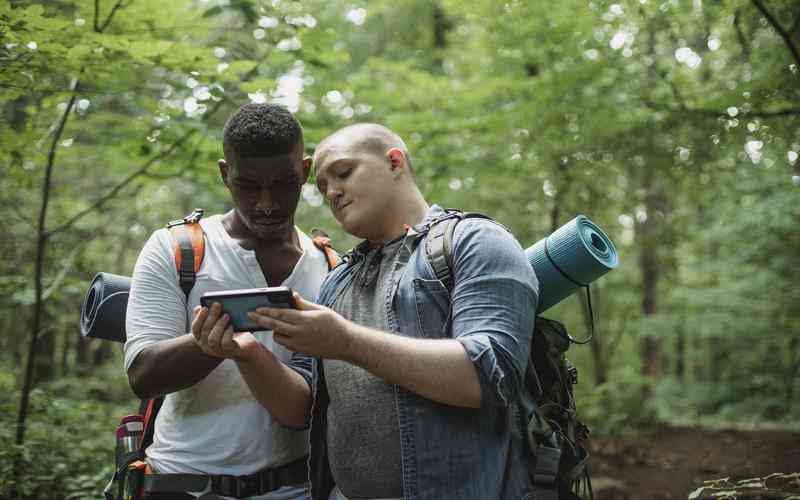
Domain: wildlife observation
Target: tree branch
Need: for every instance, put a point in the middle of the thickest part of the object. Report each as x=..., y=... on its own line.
x=787, y=38
x=184, y=169
x=64, y=270
x=116, y=189
x=142, y=170
x=737, y=24
x=114, y=9
x=721, y=114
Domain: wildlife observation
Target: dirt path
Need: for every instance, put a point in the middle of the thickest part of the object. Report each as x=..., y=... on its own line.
x=670, y=462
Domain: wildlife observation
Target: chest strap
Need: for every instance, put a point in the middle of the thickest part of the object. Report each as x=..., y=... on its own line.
x=259, y=483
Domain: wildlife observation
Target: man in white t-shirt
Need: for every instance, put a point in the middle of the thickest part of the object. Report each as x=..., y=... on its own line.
x=210, y=424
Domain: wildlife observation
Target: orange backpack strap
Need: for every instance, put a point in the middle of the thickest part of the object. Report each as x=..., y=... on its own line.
x=148, y=409
x=323, y=242
x=188, y=245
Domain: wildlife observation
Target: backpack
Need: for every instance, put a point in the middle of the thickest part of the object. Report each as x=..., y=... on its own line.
x=188, y=244
x=546, y=410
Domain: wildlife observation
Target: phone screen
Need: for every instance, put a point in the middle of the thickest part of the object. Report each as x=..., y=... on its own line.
x=237, y=303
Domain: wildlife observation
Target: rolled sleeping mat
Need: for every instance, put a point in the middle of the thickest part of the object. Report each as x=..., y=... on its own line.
x=573, y=256
x=103, y=307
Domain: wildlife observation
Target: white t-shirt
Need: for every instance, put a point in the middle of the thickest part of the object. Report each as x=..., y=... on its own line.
x=215, y=426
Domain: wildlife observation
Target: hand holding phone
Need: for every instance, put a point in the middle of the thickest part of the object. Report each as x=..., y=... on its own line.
x=237, y=303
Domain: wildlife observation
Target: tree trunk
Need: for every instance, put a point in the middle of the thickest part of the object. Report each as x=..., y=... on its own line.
x=441, y=25
x=651, y=348
x=44, y=357
x=680, y=354
x=793, y=373
x=101, y=354
x=649, y=266
x=599, y=360
x=82, y=367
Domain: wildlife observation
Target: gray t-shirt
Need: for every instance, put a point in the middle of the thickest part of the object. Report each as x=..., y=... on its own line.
x=363, y=431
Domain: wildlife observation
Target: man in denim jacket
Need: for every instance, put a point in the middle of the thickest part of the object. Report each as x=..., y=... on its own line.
x=412, y=389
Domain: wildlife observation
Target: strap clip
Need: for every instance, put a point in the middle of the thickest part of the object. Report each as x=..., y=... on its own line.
x=240, y=486
x=192, y=218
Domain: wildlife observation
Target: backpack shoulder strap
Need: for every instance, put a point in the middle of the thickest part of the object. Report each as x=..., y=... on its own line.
x=439, y=244
x=323, y=242
x=188, y=245
x=148, y=409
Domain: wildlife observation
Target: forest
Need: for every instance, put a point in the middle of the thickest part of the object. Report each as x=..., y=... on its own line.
x=672, y=124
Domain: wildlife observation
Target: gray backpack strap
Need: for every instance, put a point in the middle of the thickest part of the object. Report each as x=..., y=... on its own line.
x=439, y=244
x=439, y=249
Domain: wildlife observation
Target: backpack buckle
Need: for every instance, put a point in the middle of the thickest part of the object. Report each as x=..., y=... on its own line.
x=235, y=486
x=573, y=374
x=192, y=218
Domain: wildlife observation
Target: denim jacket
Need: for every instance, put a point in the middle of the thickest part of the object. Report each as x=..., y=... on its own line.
x=448, y=451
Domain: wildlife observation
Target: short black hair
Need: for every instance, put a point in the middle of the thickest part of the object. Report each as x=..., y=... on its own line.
x=257, y=130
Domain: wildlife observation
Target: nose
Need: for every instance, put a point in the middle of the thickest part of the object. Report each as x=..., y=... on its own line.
x=333, y=194
x=266, y=202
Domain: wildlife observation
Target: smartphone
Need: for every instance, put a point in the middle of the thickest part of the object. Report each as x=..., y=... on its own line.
x=237, y=303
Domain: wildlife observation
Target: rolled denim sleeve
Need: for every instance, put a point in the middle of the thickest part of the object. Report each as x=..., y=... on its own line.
x=493, y=305
x=301, y=363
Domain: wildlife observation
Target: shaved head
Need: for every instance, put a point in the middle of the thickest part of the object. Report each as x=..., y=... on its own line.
x=367, y=137
x=364, y=172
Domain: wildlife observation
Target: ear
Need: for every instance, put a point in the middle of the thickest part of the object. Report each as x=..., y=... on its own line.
x=224, y=170
x=397, y=160
x=306, y=168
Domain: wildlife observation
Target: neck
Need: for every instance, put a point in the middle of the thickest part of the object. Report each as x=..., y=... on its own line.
x=408, y=210
x=237, y=230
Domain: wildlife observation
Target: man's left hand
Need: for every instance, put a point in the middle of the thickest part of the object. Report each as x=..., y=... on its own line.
x=312, y=329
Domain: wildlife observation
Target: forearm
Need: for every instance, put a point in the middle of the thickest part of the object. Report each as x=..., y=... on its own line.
x=279, y=389
x=437, y=369
x=169, y=366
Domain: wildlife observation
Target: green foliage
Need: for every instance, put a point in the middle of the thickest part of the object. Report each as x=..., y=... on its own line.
x=673, y=125
x=616, y=407
x=69, y=447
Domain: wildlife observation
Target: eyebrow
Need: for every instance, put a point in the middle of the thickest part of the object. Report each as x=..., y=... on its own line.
x=338, y=162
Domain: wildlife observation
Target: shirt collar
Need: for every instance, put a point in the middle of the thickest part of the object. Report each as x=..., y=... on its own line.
x=412, y=232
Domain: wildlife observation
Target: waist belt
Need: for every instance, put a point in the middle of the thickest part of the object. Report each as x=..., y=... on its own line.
x=261, y=482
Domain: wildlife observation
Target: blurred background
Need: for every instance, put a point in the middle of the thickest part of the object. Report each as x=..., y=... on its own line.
x=673, y=124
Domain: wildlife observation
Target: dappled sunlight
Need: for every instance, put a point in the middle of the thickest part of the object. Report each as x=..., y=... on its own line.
x=674, y=125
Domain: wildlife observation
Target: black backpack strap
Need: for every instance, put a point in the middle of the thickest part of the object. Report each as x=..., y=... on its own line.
x=189, y=248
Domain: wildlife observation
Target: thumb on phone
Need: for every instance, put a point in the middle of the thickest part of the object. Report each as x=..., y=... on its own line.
x=302, y=304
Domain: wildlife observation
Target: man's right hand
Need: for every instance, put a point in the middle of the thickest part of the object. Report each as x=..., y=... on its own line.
x=214, y=334
x=260, y=368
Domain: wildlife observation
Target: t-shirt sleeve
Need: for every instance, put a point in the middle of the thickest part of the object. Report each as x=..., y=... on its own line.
x=156, y=305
